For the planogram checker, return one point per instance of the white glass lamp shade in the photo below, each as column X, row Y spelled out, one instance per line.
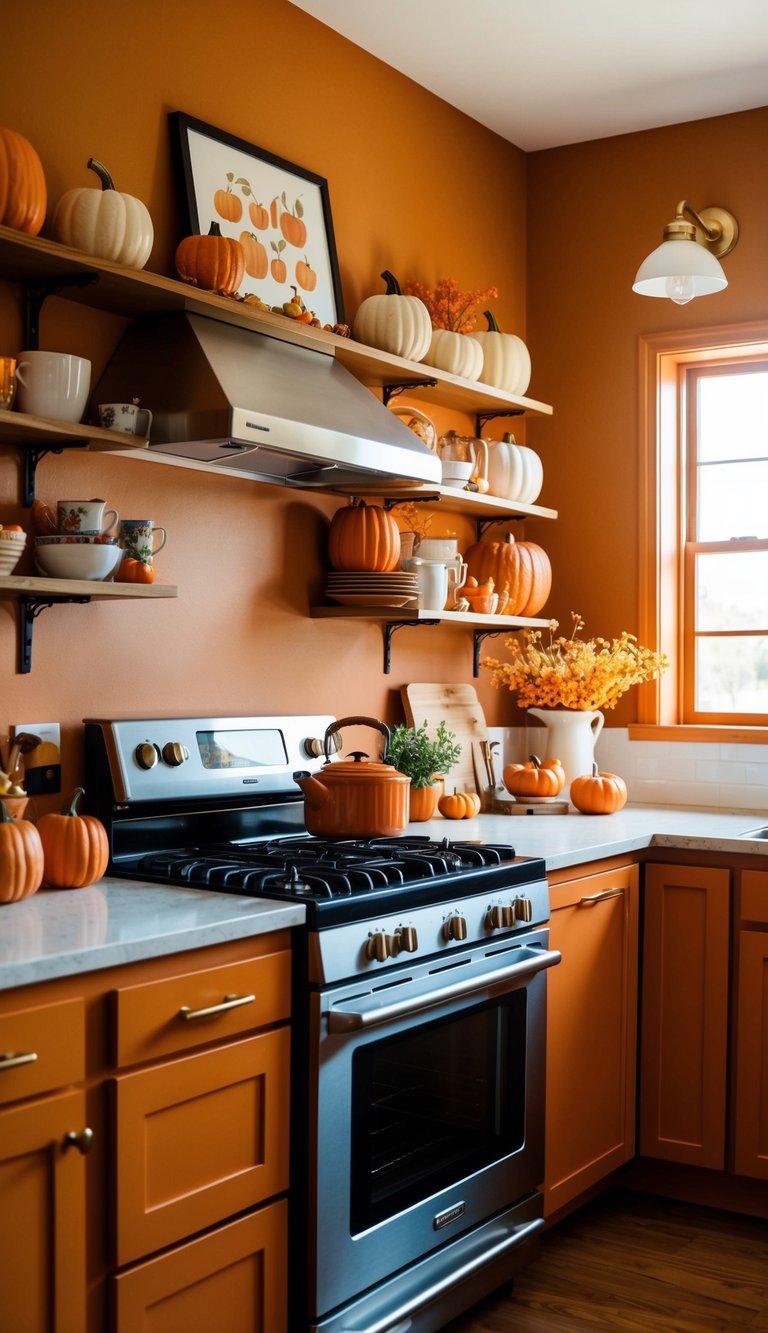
column 679, row 270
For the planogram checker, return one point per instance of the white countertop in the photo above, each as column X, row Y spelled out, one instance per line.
column 59, row 932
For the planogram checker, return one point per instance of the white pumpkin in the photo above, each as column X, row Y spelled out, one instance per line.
column 515, row 472
column 456, row 353
column 394, row 323
column 506, row 359
column 104, row 222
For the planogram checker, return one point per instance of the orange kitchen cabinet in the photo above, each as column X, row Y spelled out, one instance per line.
column 591, row 1031
column 684, row 1014
column 42, row 1216
column 750, row 1117
column 235, row 1278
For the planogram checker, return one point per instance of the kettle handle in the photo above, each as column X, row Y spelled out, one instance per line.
column 356, row 722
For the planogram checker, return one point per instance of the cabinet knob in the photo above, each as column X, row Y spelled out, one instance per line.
column 83, row 1140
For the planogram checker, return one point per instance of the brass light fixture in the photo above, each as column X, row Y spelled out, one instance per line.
column 686, row 264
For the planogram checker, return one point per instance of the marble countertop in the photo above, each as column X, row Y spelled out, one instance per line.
column 59, row 932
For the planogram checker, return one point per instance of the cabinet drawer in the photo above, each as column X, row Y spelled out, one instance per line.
column 240, row 1269
column 588, row 891
column 41, row 1049
column 198, row 1140
column 161, row 1018
column 754, row 896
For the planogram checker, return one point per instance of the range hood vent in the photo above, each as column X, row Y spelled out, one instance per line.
column 228, row 399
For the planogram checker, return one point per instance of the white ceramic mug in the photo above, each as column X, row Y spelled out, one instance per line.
column 127, row 417
column 53, row 384
column 86, row 516
column 137, row 536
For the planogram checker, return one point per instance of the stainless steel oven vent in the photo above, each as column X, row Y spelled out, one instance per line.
column 229, row 399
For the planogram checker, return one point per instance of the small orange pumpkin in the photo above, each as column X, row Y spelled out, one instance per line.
column 131, row 570
column 23, row 193
column 21, row 858
column 227, row 205
column 306, row 276
column 598, row 793
column 214, row 262
column 364, row 537
column 259, row 216
column 292, row 226
column 459, row 805
column 75, row 847
column 534, row 778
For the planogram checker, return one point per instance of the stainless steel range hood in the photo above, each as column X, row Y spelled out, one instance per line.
column 229, row 399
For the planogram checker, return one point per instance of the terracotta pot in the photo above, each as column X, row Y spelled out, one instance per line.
column 357, row 797
column 423, row 802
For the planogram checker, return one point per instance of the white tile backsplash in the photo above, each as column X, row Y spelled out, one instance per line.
column 709, row 773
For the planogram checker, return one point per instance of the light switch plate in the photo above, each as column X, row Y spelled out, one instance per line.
column 42, row 766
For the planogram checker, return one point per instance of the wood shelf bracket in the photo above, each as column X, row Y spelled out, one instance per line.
column 29, row 610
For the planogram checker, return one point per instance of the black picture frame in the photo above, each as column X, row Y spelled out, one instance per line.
column 282, row 210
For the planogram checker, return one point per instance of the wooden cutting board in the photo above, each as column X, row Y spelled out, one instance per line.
column 458, row 706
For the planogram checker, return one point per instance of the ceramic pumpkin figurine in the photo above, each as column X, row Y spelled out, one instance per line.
column 456, row 353
column 393, row 322
column 75, row 847
column 214, row 262
column 364, row 537
column 514, row 471
column 534, row 778
column 23, row 194
column 598, row 793
column 21, row 858
column 459, row 805
column 104, row 222
column 506, row 360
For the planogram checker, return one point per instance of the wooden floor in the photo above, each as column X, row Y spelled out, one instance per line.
column 630, row 1261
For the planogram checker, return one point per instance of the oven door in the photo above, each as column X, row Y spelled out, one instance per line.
column 429, row 1097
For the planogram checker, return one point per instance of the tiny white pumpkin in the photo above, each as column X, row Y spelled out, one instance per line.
column 456, row 353
column 104, row 222
column 515, row 472
column 394, row 323
column 506, row 359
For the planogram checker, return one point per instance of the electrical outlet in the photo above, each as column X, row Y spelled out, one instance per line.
column 41, row 765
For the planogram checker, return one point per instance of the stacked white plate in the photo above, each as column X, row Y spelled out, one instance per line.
column 364, row 588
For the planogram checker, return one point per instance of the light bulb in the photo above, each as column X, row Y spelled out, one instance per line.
column 681, row 288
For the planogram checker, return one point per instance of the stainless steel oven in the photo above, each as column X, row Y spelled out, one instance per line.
column 420, row 1015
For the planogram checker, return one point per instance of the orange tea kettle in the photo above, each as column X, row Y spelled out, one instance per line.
column 356, row 797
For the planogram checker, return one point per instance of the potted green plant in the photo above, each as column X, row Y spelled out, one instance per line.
column 424, row 759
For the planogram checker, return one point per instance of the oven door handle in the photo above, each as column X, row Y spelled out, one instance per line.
column 400, row 1318
column 536, row 960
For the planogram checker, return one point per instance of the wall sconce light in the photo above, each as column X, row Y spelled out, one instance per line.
column 686, row 263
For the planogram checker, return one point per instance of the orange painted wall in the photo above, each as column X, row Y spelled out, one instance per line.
column 414, row 186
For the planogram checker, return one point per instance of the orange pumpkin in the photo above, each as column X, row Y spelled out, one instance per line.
column 459, row 805
column 534, row 778
column 364, row 537
column 598, row 793
column 23, row 193
column 306, row 276
column 292, row 227
column 75, row 847
column 523, row 568
column 21, row 858
column 214, row 262
column 256, row 262
column 259, row 216
column 422, row 803
column 228, row 206
column 131, row 570
column 278, row 267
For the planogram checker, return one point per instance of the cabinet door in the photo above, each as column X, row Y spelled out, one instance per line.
column 235, row 1278
column 200, row 1139
column 42, row 1217
column 684, row 1026
column 751, row 1092
column 591, row 1032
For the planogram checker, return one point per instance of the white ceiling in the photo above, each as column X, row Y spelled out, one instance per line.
column 542, row 73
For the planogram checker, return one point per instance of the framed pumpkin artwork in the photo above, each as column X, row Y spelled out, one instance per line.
column 279, row 212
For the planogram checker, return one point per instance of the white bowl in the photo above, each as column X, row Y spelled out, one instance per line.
column 75, row 539
column 93, row 561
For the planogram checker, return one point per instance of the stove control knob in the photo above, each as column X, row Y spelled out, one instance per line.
column 455, row 927
column 380, row 946
column 523, row 909
column 174, row 753
column 406, row 939
column 314, row 746
column 499, row 917
column 146, row 755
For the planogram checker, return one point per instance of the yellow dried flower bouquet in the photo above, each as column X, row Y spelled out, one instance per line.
column 573, row 673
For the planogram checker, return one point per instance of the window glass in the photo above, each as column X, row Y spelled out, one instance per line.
column 731, row 591
column 733, row 500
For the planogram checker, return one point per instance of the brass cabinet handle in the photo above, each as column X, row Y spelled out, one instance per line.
column 12, row 1060
column 229, row 1002
column 590, row 899
column 82, row 1141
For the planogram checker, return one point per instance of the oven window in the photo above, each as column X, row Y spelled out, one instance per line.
column 435, row 1104
column 241, row 749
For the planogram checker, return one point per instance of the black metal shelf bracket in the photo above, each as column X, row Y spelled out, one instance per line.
column 389, row 628
column 35, row 295
column 482, row 523
column 390, row 390
column 30, row 608
column 482, row 417
column 31, row 458
column 391, row 501
column 478, row 635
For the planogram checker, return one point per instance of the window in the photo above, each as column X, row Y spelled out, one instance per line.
column 704, row 528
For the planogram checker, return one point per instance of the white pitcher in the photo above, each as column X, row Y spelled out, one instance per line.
column 571, row 737
column 433, row 582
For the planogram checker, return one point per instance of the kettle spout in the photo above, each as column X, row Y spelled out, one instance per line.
column 315, row 792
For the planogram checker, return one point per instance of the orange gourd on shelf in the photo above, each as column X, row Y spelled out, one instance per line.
column 598, row 793
column 459, row 805
column 23, row 193
column 364, row 537
column 213, row 262
column 523, row 568
column 534, row 778
column 75, row 847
